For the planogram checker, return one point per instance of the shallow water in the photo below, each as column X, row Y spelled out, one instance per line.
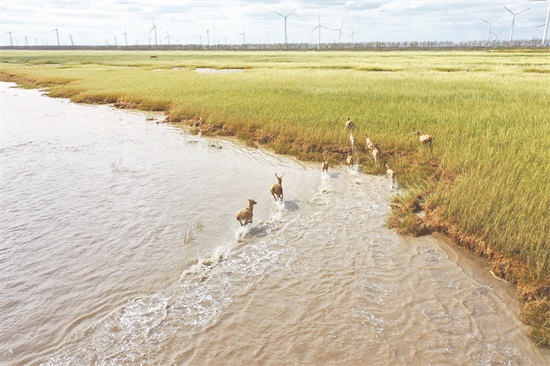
column 119, row 245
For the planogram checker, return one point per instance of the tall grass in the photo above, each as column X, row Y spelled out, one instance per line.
column 489, row 114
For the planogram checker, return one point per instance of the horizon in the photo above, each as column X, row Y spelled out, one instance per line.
column 235, row 22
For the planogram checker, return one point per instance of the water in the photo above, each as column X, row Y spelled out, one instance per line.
column 119, row 245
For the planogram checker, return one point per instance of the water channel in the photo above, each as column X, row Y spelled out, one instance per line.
column 119, row 245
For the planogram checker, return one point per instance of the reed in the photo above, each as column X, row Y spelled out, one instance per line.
column 488, row 113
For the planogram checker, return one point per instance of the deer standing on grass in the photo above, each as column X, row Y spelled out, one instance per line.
column 369, row 144
column 246, row 213
column 277, row 188
column 390, row 174
column 424, row 139
column 353, row 140
column 349, row 124
column 375, row 154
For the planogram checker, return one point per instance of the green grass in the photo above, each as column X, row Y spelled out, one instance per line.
column 489, row 114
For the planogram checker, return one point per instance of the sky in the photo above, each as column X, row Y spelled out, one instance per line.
column 106, row 22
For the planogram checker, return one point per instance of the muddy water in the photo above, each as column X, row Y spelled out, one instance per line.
column 119, row 245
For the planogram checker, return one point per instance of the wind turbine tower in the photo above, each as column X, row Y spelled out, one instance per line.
column 11, row 38
column 116, row 44
column 513, row 21
column 496, row 35
column 285, row 16
column 545, row 32
column 168, row 36
column 352, row 35
column 125, row 37
column 244, row 36
column 340, row 34
column 26, row 39
column 57, row 34
column 490, row 24
column 319, row 27
column 71, row 37
column 154, row 28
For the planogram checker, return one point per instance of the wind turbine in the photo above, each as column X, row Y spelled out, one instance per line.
column 497, row 34
column 168, row 36
column 26, row 39
column 125, row 37
column 208, row 37
column 352, row 35
column 57, row 34
column 319, row 27
column 71, row 37
column 490, row 24
column 244, row 36
column 513, row 21
column 545, row 32
column 285, row 16
column 11, row 38
column 340, row 34
column 154, row 28
column 116, row 44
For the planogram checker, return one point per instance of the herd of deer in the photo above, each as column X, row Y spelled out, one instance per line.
column 244, row 216
column 424, row 140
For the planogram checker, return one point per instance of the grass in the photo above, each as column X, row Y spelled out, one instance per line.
column 488, row 112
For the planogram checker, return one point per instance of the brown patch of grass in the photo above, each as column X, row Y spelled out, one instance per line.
column 537, row 71
column 536, row 313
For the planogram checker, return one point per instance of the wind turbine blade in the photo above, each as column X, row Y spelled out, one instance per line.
column 511, row 12
column 291, row 12
column 279, row 13
column 315, row 28
column 483, row 20
column 523, row 11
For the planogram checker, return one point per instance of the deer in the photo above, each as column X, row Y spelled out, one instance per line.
column 277, row 188
column 375, row 153
column 390, row 174
column 349, row 124
column 349, row 160
column 424, row 139
column 324, row 165
column 246, row 213
column 368, row 142
column 353, row 140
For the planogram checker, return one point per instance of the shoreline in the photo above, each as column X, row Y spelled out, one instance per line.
column 532, row 291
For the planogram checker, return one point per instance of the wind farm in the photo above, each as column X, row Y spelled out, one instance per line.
column 363, row 38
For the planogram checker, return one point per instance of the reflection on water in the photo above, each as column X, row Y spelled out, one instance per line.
column 120, row 246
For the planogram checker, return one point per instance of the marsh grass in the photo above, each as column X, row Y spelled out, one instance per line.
column 488, row 113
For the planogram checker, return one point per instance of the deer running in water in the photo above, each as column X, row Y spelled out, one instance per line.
column 277, row 188
column 246, row 213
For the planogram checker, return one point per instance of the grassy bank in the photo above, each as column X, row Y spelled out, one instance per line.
column 486, row 181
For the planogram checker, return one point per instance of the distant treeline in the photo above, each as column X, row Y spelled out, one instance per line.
column 359, row 46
